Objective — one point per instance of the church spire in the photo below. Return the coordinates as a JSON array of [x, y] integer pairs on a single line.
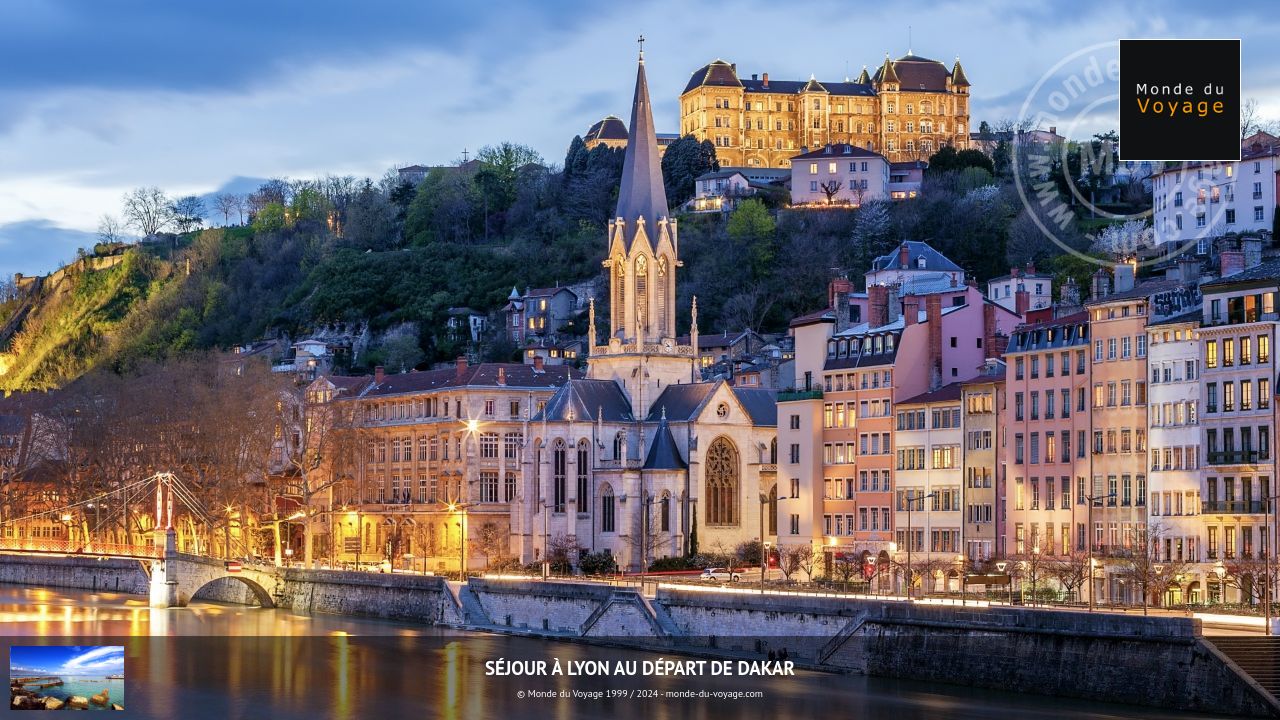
[[642, 193]]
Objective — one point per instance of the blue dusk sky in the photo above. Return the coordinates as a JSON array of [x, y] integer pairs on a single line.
[[196, 97], [66, 660]]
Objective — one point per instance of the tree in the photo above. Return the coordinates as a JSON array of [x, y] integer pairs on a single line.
[[1071, 571], [562, 551], [320, 444], [792, 558], [492, 541], [684, 160], [148, 210], [1252, 121], [1124, 240], [401, 351], [188, 213], [370, 220], [228, 204], [831, 188], [872, 235], [110, 230], [1140, 562], [754, 233]]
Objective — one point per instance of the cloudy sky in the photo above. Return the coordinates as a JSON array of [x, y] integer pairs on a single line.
[[100, 97], [67, 660]]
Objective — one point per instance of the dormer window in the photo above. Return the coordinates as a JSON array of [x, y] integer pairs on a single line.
[[888, 343], [879, 345], [920, 262]]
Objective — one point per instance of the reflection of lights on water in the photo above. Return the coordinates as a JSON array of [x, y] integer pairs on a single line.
[[451, 680], [342, 688]]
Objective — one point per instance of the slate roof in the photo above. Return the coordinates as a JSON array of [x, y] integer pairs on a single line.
[[516, 375], [664, 454], [721, 74], [1269, 270], [1193, 314], [760, 404], [610, 128], [642, 193], [681, 402], [1140, 290], [933, 260], [914, 72], [839, 150], [585, 399], [946, 393]]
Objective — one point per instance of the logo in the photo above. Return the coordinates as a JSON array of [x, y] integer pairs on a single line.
[[1180, 100]]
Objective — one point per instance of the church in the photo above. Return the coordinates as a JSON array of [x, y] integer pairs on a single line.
[[641, 458]]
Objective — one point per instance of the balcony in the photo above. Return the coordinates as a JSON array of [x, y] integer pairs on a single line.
[[1234, 457], [1231, 507]]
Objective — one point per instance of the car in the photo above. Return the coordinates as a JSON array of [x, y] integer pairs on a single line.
[[720, 575]]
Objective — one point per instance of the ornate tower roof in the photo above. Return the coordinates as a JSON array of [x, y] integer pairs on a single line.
[[957, 75], [887, 74], [864, 78], [642, 193]]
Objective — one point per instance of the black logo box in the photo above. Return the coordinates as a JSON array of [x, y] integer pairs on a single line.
[[1191, 66]]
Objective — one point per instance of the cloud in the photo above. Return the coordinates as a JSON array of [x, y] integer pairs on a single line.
[[102, 659], [33, 247]]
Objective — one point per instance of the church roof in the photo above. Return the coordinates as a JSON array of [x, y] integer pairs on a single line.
[[761, 404], [583, 400], [681, 402], [642, 193], [664, 454]]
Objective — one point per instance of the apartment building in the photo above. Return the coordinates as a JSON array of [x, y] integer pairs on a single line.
[[929, 484], [982, 415], [1046, 428], [1173, 419], [1237, 337]]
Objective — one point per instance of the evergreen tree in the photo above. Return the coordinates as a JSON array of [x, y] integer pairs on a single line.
[[682, 163]]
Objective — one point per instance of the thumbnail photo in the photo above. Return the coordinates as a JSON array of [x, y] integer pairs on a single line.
[[66, 677]]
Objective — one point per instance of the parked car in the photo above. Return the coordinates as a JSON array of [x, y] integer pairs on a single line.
[[720, 575]]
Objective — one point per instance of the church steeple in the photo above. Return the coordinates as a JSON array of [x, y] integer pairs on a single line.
[[642, 193]]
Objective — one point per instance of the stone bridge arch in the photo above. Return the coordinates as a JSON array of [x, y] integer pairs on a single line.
[[262, 595], [177, 579]]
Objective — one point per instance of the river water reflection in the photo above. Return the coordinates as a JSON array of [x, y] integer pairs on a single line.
[[227, 661]]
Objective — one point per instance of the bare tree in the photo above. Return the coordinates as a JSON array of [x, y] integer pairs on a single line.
[[1252, 121], [491, 540], [831, 188], [791, 558], [148, 210], [188, 213], [1140, 563], [110, 229], [227, 204], [1071, 571]]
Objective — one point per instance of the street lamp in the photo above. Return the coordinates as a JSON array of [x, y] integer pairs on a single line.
[[462, 538], [1089, 531], [1221, 571], [764, 546], [911, 499], [1008, 580]]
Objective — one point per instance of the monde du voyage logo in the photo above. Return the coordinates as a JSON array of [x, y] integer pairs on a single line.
[[1180, 100]]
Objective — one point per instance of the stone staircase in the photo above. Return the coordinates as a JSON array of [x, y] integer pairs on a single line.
[[846, 632], [663, 617], [1257, 656], [473, 612]]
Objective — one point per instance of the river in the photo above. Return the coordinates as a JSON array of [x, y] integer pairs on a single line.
[[213, 660]]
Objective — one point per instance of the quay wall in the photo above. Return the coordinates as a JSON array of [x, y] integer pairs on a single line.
[[1153, 661]]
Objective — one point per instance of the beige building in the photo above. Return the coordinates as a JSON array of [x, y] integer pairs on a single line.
[[982, 405], [907, 110]]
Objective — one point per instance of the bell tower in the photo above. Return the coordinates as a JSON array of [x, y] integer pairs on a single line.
[[641, 351]]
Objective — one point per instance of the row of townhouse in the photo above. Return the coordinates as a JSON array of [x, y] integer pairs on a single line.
[[1136, 430]]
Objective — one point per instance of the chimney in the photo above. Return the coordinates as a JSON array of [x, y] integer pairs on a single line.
[[1189, 270], [893, 304], [1014, 272], [461, 365], [904, 256], [1031, 268], [1070, 294], [933, 315], [538, 363], [1123, 278], [1021, 302], [842, 311], [877, 305], [1230, 262], [989, 330], [754, 76], [502, 376], [837, 287], [378, 374], [735, 67], [910, 310], [1100, 285], [766, 81], [1252, 249]]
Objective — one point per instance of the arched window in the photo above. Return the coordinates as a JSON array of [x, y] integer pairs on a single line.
[[642, 296], [664, 513], [619, 445], [773, 451], [664, 284], [584, 459], [537, 470], [619, 294], [722, 483], [606, 509], [558, 476]]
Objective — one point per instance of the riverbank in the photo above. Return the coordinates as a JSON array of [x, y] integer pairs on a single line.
[[1162, 662]]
